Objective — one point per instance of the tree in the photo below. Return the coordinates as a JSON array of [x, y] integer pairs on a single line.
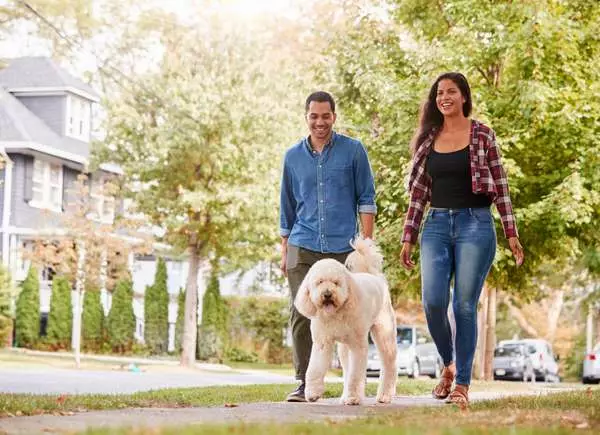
[[6, 317], [60, 318], [179, 321], [156, 311], [28, 311], [92, 329], [205, 182], [121, 319], [213, 337]]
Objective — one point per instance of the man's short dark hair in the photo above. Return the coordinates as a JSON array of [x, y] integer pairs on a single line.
[[320, 97]]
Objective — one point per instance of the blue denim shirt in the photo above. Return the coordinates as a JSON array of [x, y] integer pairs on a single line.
[[321, 194]]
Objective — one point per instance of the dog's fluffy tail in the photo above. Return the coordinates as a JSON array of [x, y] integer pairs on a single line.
[[365, 258]]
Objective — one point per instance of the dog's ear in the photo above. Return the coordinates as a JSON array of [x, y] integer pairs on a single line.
[[351, 300], [302, 301]]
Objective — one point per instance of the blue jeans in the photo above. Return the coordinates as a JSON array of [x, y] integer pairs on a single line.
[[460, 244]]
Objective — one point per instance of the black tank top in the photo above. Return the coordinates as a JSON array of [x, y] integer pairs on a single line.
[[451, 180]]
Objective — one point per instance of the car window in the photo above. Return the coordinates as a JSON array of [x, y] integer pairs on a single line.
[[422, 336], [405, 336], [508, 351]]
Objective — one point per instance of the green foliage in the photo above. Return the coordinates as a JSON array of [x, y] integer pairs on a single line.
[[264, 321], [60, 318], [92, 331], [27, 323], [121, 319], [156, 311], [235, 354], [6, 294], [212, 335], [534, 79], [180, 319]]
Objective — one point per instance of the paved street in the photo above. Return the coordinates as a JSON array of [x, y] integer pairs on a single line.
[[57, 381]]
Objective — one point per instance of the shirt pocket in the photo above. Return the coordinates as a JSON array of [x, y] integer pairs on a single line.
[[339, 176]]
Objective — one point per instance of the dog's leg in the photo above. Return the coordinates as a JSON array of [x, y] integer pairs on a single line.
[[344, 360], [384, 335], [358, 372], [320, 360]]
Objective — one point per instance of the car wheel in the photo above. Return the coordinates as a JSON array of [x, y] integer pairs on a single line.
[[437, 371], [416, 370]]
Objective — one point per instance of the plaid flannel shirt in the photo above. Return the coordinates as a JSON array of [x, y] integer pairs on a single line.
[[487, 177]]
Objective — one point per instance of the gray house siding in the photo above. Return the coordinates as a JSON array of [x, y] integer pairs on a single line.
[[22, 214], [51, 109]]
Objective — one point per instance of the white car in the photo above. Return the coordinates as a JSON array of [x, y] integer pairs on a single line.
[[544, 361], [591, 366], [417, 354]]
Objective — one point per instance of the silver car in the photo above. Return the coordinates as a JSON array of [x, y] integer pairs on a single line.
[[417, 354], [513, 362], [591, 366]]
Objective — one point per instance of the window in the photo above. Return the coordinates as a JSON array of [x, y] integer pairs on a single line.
[[78, 118], [102, 205], [47, 185]]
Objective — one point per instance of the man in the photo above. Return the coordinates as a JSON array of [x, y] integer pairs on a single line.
[[327, 181]]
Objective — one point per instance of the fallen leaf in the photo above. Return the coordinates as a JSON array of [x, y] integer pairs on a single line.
[[19, 413], [583, 425], [231, 405], [61, 399], [588, 391]]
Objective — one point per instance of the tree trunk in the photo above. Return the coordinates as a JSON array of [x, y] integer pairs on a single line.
[[190, 325], [554, 314], [589, 330], [478, 372], [79, 290], [520, 318], [490, 339]]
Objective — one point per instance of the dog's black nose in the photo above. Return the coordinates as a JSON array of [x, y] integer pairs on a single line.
[[327, 294]]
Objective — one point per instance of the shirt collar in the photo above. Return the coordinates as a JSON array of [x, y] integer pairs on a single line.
[[328, 144]]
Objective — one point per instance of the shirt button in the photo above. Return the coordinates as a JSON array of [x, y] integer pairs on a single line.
[[321, 184], [321, 201]]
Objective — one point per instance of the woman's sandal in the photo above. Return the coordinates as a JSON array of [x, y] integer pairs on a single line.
[[443, 388], [459, 396]]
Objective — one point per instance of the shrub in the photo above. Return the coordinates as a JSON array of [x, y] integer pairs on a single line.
[[121, 319], [156, 312], [92, 331], [28, 311], [60, 318]]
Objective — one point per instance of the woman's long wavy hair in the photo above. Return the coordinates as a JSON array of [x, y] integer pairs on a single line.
[[430, 118]]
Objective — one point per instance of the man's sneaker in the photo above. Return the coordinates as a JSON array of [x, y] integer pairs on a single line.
[[297, 395]]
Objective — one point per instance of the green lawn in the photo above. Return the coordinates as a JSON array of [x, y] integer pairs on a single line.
[[31, 404], [562, 413]]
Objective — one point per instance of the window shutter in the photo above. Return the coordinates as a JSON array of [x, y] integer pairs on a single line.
[[28, 182], [66, 188]]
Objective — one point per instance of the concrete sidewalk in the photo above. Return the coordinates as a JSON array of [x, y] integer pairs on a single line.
[[279, 412], [117, 359]]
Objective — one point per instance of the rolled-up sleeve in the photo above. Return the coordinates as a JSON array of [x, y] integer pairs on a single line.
[[365, 184], [287, 211]]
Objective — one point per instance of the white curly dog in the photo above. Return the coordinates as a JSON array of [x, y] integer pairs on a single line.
[[344, 304]]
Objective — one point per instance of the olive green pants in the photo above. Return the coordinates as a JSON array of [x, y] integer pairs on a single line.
[[299, 260]]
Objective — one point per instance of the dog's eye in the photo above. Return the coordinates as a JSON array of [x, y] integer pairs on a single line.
[[336, 283], [319, 282]]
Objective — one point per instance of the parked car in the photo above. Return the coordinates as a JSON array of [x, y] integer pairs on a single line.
[[417, 354], [513, 362], [591, 366], [544, 361]]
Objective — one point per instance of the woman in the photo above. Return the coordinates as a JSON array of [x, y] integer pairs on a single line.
[[456, 168]]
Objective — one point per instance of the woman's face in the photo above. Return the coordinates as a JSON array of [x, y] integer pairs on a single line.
[[449, 99]]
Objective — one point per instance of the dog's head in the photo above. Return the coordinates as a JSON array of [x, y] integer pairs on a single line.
[[325, 289]]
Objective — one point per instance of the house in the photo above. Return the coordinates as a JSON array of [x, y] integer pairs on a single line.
[[46, 120]]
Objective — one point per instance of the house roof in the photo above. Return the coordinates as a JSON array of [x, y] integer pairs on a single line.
[[20, 128], [28, 74]]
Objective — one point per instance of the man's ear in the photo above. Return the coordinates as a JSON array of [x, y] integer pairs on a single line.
[[302, 301]]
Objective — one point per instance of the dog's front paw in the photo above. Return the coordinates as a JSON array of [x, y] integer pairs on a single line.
[[352, 400], [384, 398], [314, 392]]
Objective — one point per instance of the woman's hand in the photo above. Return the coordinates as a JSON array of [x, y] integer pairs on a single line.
[[405, 255], [517, 250]]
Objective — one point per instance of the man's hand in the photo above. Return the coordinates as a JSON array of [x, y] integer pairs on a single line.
[[283, 263], [405, 256]]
